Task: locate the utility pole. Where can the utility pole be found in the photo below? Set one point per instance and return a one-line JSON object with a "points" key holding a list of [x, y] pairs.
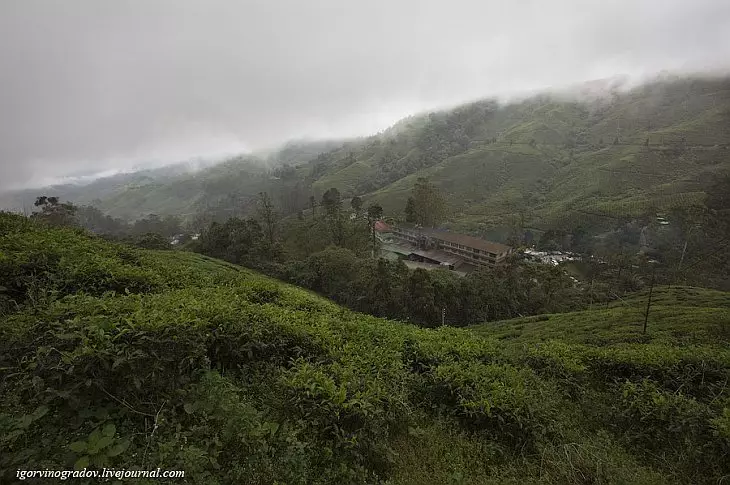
{"points": [[651, 289], [684, 250]]}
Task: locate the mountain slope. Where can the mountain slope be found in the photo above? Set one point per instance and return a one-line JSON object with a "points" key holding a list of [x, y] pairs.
{"points": [[585, 157], [552, 158], [134, 358]]}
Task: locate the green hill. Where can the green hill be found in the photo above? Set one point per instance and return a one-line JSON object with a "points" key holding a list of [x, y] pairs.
{"points": [[558, 160], [118, 357], [561, 162]]}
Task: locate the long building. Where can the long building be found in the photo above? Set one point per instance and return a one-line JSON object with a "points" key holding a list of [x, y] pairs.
{"points": [[470, 249]]}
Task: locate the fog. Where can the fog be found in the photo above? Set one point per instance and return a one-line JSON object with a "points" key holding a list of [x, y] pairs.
{"points": [[90, 86]]}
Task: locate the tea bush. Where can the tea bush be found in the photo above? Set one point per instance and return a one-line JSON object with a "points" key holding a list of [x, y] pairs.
{"points": [[126, 358]]}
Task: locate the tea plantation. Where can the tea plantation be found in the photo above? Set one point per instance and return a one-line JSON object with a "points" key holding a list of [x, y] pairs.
{"points": [[118, 357]]}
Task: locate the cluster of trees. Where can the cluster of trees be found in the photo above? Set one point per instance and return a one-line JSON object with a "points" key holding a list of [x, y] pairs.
{"points": [[239, 241], [329, 251], [268, 239], [54, 212], [151, 232], [390, 289], [330, 223]]}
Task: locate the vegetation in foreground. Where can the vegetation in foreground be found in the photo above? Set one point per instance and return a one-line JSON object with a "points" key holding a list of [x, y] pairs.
{"points": [[122, 357]]}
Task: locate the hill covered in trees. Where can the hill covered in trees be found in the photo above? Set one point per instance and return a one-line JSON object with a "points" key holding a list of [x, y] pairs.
{"points": [[552, 160], [112, 356], [183, 190]]}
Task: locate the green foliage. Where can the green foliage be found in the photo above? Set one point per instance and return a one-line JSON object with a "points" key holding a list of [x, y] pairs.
{"points": [[54, 212], [38, 265], [427, 206], [238, 241], [237, 378], [151, 240]]}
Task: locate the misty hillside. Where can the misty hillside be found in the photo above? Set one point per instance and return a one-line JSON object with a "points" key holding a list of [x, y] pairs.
{"points": [[182, 189], [588, 156], [552, 158]]}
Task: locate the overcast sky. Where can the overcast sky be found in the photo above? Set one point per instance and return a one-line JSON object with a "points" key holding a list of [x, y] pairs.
{"points": [[92, 85]]}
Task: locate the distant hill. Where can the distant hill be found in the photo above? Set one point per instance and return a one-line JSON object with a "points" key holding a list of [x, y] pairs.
{"points": [[180, 189], [589, 156]]}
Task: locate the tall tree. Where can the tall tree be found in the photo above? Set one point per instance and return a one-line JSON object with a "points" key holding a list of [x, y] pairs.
{"points": [[356, 204], [411, 210], [332, 205], [267, 214], [313, 205], [332, 201], [375, 213], [419, 299], [429, 202]]}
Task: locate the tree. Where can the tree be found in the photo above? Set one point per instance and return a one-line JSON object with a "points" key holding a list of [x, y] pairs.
{"points": [[96, 221], [375, 213], [333, 270], [237, 241], [151, 240], [419, 299], [356, 204], [268, 217], [313, 205], [332, 201], [430, 206], [332, 205], [410, 210], [54, 212]]}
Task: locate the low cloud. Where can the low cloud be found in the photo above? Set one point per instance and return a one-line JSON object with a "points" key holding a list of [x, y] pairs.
{"points": [[93, 86]]}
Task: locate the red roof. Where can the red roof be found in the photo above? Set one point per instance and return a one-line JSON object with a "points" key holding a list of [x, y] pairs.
{"points": [[381, 226]]}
